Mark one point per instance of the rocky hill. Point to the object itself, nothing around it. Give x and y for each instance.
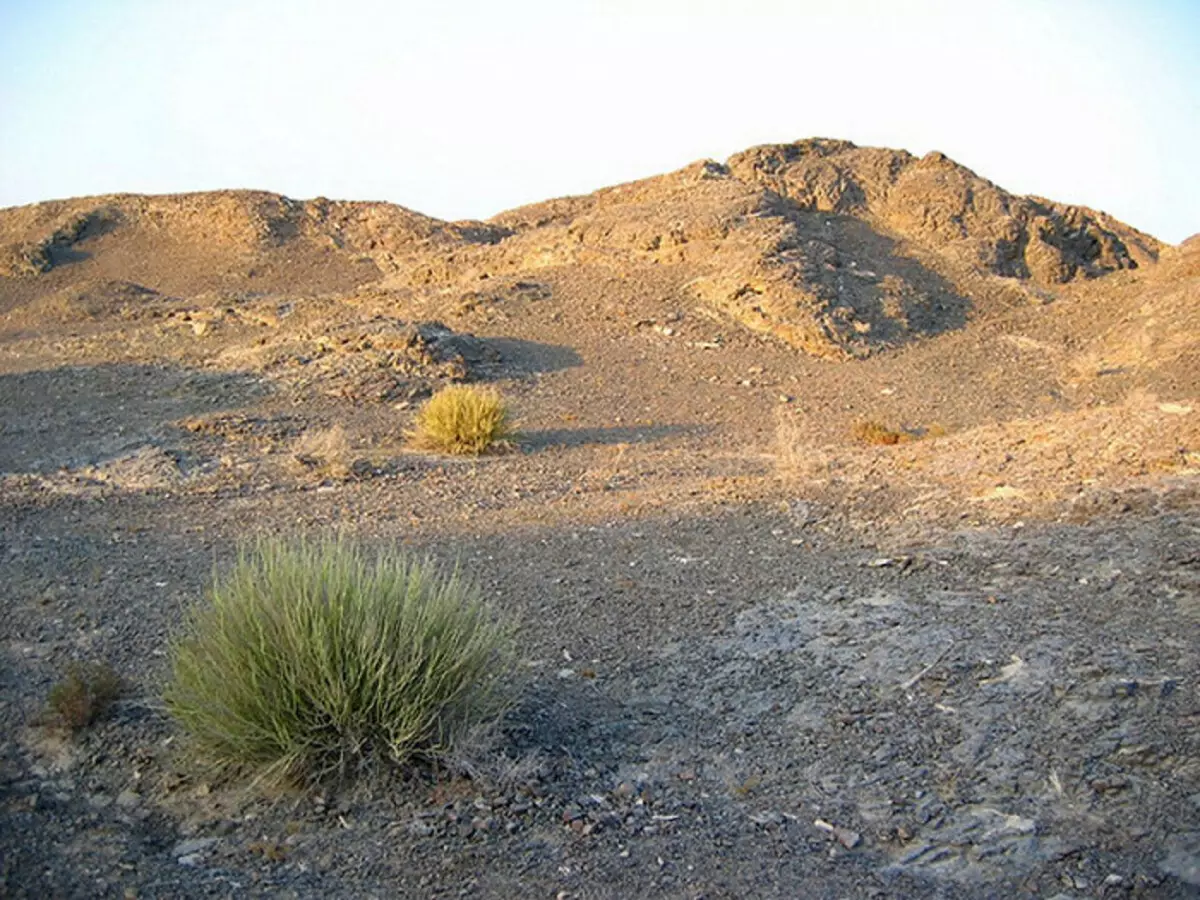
(835, 249)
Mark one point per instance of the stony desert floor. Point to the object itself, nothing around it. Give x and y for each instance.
(762, 656)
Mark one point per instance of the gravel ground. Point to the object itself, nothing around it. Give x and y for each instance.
(729, 704)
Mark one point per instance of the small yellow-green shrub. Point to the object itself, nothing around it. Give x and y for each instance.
(463, 419)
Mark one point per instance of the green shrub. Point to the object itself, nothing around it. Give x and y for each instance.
(463, 419)
(313, 659)
(83, 696)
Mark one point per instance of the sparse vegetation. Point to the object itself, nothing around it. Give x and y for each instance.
(324, 453)
(797, 457)
(313, 659)
(463, 419)
(83, 697)
(872, 432)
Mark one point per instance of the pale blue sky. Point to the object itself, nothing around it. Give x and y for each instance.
(463, 109)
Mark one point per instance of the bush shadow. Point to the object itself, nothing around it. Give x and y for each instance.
(521, 357)
(615, 434)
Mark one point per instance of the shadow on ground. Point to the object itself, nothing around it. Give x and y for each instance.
(616, 434)
(527, 357)
(701, 690)
(83, 415)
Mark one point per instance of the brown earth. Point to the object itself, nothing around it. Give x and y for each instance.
(970, 654)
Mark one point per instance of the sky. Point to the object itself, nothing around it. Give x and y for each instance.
(464, 109)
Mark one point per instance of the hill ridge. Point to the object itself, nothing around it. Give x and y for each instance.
(838, 250)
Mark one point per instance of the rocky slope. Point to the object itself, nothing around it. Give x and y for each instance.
(835, 249)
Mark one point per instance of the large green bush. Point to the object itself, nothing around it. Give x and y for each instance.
(314, 658)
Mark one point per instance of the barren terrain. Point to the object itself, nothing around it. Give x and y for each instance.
(853, 531)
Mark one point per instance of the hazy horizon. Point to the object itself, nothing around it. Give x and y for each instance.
(465, 112)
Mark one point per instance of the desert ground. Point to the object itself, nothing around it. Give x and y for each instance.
(852, 532)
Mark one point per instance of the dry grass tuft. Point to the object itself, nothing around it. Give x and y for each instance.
(463, 420)
(324, 453)
(797, 458)
(875, 433)
(83, 696)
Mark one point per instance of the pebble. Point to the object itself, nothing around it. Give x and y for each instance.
(1183, 857)
(844, 836)
(572, 813)
(192, 847)
(418, 828)
(767, 818)
(128, 799)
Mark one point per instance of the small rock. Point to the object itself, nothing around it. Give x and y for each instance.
(1125, 688)
(192, 847)
(1183, 857)
(847, 838)
(1110, 785)
(1140, 755)
(844, 836)
(608, 820)
(128, 799)
(767, 818)
(1175, 409)
(571, 814)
